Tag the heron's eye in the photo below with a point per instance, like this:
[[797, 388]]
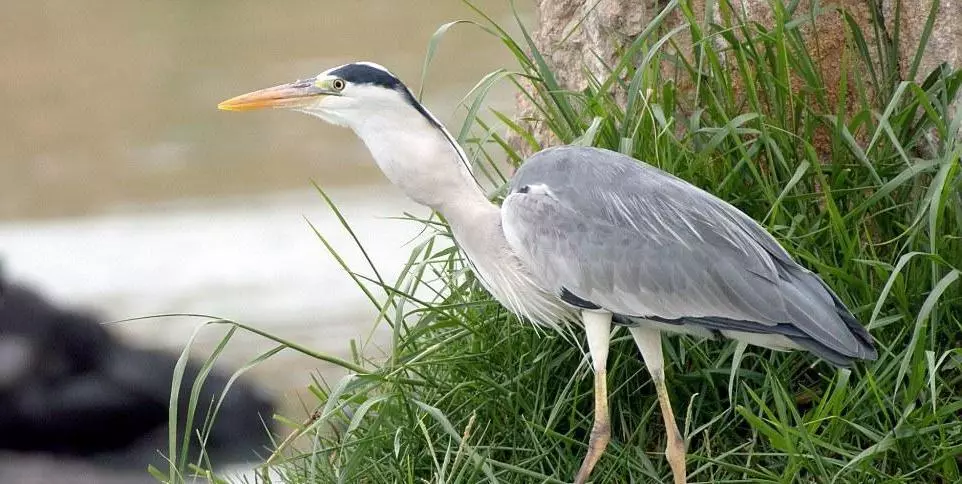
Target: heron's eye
[[338, 84]]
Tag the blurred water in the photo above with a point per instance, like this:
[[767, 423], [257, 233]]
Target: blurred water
[[108, 102], [254, 260], [122, 189]]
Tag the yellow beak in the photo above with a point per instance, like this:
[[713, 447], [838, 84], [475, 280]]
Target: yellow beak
[[292, 95]]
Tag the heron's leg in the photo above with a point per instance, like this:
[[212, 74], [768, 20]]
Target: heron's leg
[[649, 343], [598, 328]]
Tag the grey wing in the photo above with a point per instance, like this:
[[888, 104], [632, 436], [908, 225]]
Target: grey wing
[[603, 230]]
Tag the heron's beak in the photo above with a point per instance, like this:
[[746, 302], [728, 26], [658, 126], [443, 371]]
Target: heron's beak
[[293, 95]]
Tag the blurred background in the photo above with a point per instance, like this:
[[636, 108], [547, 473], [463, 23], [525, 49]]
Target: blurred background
[[124, 192]]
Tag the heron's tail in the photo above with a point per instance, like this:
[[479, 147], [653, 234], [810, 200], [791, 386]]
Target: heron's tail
[[864, 344], [867, 348]]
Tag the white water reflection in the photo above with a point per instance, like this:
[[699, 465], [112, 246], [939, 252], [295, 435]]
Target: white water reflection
[[254, 260]]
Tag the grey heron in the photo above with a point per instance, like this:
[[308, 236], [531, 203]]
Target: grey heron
[[592, 235]]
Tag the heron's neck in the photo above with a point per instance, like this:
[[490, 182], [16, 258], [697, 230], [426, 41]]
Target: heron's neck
[[418, 158]]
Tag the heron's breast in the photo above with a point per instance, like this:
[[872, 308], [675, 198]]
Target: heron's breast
[[504, 275], [515, 288]]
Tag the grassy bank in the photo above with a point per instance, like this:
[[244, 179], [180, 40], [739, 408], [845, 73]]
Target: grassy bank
[[862, 187]]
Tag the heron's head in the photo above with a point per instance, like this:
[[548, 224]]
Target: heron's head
[[410, 145], [346, 95]]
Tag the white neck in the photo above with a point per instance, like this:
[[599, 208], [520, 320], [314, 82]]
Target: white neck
[[425, 162], [420, 159]]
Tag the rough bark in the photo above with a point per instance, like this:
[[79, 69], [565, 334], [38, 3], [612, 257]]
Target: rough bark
[[945, 43], [569, 31], [578, 37]]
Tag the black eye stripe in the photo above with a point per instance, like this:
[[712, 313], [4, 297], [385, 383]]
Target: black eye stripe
[[370, 75], [365, 74]]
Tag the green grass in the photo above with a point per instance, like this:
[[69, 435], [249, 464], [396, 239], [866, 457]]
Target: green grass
[[472, 395]]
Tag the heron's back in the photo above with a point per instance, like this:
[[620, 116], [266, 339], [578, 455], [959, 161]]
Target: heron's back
[[604, 231]]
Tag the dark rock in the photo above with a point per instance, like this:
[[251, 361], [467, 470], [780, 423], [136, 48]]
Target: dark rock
[[69, 388]]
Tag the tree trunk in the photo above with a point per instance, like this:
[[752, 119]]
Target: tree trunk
[[577, 37]]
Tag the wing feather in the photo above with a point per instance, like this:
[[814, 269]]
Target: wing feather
[[639, 242]]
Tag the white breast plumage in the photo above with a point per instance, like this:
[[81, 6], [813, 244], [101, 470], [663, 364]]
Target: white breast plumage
[[511, 284]]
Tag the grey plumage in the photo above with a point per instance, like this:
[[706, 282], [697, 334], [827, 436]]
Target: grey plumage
[[649, 247]]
